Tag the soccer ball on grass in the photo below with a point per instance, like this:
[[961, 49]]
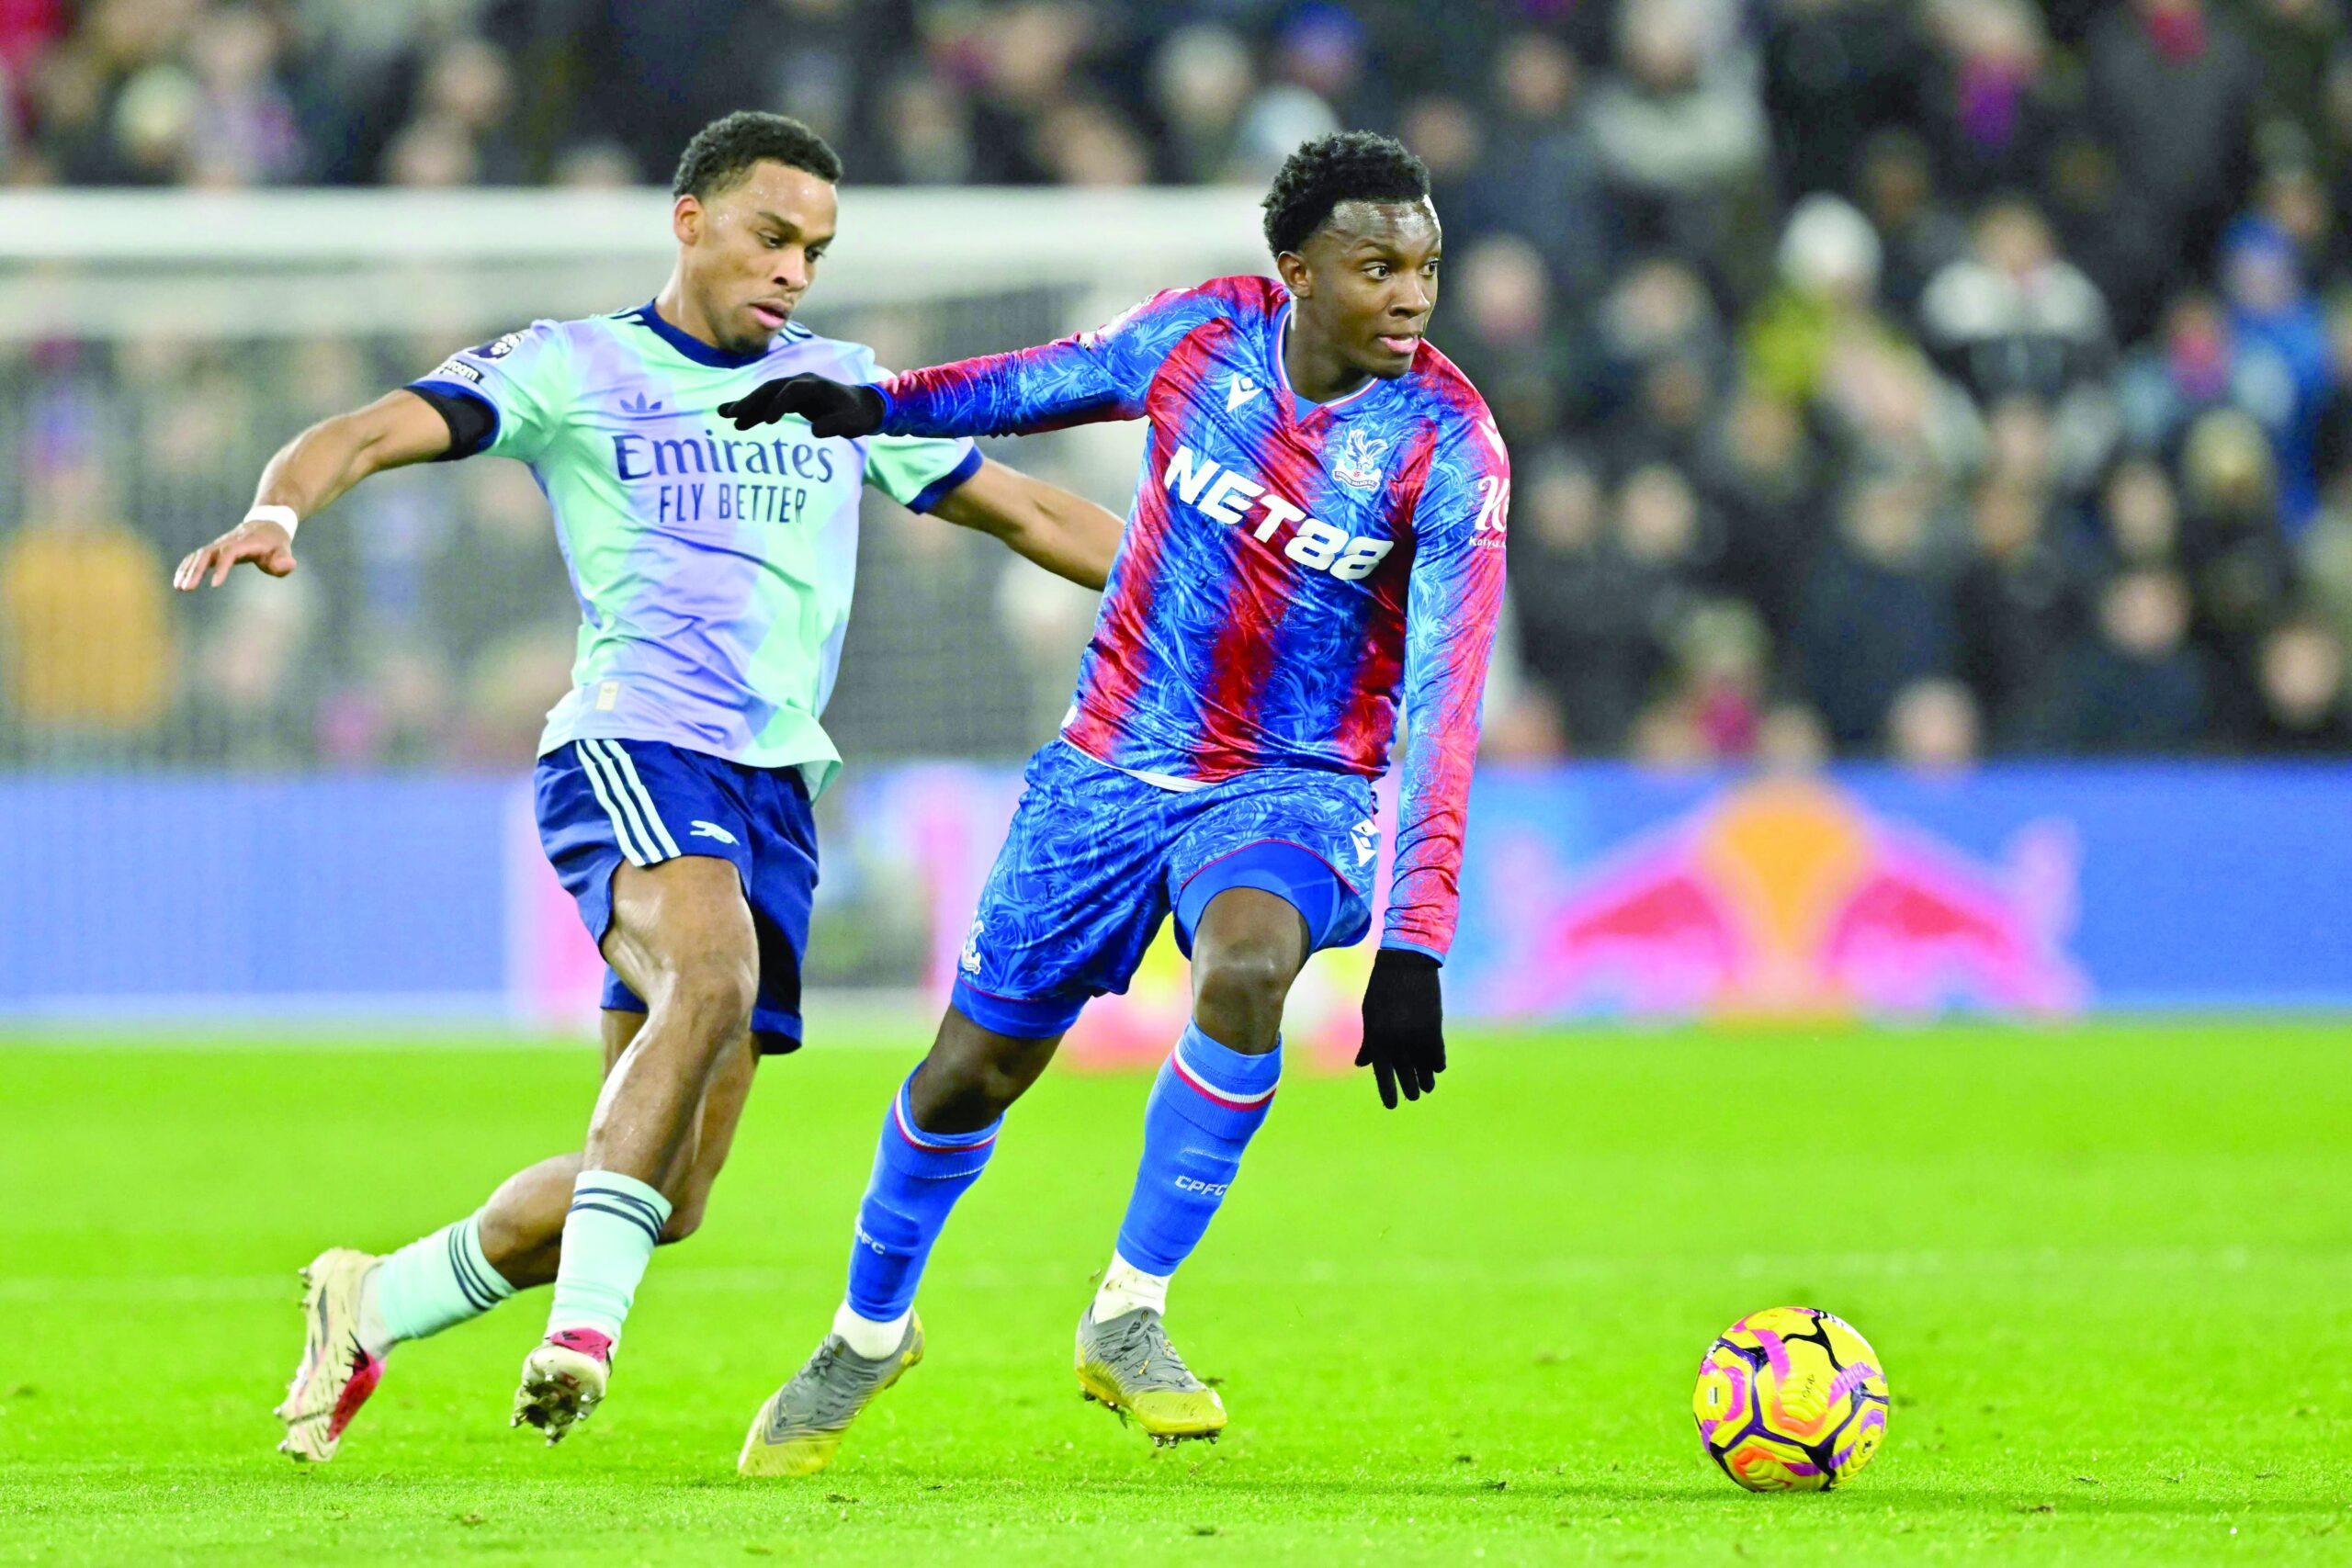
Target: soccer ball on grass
[[1791, 1400]]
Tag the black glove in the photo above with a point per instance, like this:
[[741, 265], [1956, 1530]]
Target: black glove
[[830, 407], [1404, 1025]]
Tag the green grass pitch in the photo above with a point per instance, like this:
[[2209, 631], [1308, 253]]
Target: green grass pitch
[[2109, 1268]]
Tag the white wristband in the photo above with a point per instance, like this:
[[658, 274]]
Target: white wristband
[[282, 515]]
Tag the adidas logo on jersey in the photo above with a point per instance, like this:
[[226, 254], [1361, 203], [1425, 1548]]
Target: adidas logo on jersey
[[1222, 494]]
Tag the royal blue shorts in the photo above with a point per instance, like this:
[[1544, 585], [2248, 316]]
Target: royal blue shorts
[[1096, 859], [603, 802]]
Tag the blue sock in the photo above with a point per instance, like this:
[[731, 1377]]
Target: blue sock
[[917, 1177], [1209, 1102]]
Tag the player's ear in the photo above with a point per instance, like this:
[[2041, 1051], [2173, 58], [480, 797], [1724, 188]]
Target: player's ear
[[686, 220], [1297, 275]]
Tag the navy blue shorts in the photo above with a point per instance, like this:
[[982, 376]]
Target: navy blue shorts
[[1096, 859], [600, 802]]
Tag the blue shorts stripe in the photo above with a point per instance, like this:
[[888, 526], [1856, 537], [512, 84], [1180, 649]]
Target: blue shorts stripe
[[622, 833], [616, 751]]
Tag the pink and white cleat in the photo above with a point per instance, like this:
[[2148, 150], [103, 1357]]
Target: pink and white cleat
[[338, 1374], [563, 1381]]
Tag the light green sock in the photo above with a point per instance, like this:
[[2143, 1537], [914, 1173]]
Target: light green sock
[[427, 1285], [608, 1239]]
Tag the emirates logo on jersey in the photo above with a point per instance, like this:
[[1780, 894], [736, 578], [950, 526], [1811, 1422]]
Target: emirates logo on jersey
[[1358, 467]]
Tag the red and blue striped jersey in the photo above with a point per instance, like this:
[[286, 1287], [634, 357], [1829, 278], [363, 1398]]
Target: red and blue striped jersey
[[1289, 569]]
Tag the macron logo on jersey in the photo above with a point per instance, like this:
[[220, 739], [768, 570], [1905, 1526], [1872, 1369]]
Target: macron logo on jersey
[[1222, 494], [1239, 390]]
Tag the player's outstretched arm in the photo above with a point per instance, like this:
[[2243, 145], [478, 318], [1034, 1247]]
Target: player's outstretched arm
[[1066, 534], [1101, 374], [1452, 606], [309, 472]]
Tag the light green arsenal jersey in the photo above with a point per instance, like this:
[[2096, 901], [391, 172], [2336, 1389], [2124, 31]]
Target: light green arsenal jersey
[[713, 568]]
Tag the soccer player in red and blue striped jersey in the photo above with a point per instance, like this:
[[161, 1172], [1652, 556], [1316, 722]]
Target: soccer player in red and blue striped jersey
[[1318, 532]]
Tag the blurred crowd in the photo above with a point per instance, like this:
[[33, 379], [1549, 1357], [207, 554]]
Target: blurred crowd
[[1926, 378]]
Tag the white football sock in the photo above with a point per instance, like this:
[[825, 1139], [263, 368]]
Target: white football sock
[[1125, 1288], [870, 1339]]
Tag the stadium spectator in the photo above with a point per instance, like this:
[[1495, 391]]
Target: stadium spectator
[[85, 638], [2020, 605], [1557, 198], [2173, 91], [1917, 234], [1202, 79], [2136, 684], [2139, 515], [1596, 599], [2283, 338], [2240, 567], [2109, 229], [1873, 618], [2013, 316], [2296, 45], [2303, 710], [1991, 108], [1836, 72], [1828, 281], [1506, 335], [1934, 728], [1713, 709], [1681, 137], [1761, 473]]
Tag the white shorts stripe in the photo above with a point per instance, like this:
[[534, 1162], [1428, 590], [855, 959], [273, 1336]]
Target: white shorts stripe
[[615, 750], [621, 832], [650, 846]]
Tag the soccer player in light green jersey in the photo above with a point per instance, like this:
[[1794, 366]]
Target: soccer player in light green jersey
[[714, 573]]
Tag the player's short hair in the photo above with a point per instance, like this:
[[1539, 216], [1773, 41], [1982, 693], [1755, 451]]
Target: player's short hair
[[724, 150], [1351, 165]]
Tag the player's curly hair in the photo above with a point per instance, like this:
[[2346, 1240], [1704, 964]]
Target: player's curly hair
[[1351, 165], [724, 150]]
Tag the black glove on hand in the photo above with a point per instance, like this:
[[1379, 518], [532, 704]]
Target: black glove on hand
[[1404, 1025], [830, 407]]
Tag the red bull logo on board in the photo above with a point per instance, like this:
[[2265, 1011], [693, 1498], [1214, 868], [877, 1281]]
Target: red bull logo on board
[[1790, 899]]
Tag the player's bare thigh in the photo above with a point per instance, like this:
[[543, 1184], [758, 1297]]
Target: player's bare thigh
[[680, 937], [681, 933]]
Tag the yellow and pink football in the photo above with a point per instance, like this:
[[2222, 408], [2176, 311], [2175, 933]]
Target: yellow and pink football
[[1791, 1400]]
